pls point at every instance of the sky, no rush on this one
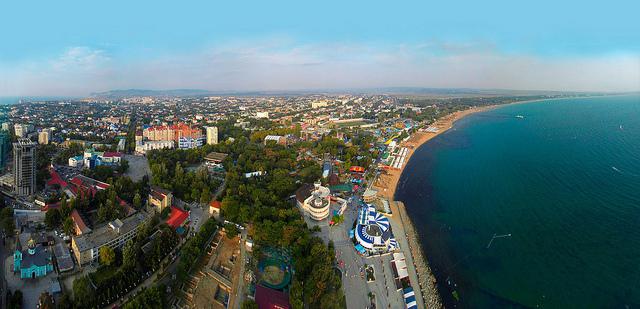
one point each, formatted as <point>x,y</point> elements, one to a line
<point>73,48</point>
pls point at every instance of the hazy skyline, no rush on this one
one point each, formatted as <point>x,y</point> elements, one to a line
<point>75,48</point>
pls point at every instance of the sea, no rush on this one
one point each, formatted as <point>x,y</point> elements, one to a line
<point>533,205</point>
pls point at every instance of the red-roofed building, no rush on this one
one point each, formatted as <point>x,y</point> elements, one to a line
<point>214,208</point>
<point>56,179</point>
<point>177,217</point>
<point>267,298</point>
<point>79,225</point>
<point>82,185</point>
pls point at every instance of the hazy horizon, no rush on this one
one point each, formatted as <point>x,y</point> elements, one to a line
<point>76,48</point>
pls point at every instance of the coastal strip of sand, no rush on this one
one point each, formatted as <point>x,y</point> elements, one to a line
<point>386,185</point>
<point>387,182</point>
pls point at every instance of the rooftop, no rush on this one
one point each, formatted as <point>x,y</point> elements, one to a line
<point>106,233</point>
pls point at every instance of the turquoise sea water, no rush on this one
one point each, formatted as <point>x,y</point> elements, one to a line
<point>564,182</point>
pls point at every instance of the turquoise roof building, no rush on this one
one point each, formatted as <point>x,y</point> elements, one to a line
<point>35,262</point>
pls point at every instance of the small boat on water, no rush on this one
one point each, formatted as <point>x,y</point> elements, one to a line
<point>520,116</point>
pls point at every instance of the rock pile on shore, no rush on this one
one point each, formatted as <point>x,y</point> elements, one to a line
<point>426,279</point>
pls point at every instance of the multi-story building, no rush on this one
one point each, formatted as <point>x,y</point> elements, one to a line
<point>171,133</point>
<point>212,135</point>
<point>190,142</point>
<point>314,200</point>
<point>143,147</point>
<point>24,167</point>
<point>86,247</point>
<point>5,145</point>
<point>44,136</point>
<point>20,130</point>
<point>160,198</point>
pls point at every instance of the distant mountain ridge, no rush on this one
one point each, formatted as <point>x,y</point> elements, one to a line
<point>150,93</point>
<point>122,93</point>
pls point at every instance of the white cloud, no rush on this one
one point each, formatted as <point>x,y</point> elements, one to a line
<point>282,66</point>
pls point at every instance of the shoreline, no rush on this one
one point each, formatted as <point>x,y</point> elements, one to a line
<point>387,182</point>
<point>386,185</point>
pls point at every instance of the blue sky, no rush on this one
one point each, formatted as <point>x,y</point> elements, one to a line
<point>76,47</point>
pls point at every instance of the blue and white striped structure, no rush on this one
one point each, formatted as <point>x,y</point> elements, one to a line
<point>393,244</point>
<point>373,231</point>
<point>410,298</point>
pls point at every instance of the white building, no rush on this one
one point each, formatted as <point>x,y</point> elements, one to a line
<point>262,115</point>
<point>6,126</point>
<point>77,161</point>
<point>314,200</point>
<point>318,104</point>
<point>212,135</point>
<point>21,130</point>
<point>143,147</point>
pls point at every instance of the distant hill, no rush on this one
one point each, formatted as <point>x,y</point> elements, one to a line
<point>121,93</point>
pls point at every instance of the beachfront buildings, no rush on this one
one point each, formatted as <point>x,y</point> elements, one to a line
<point>86,247</point>
<point>373,233</point>
<point>24,167</point>
<point>317,203</point>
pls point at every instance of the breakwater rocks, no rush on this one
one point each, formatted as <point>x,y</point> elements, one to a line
<point>426,280</point>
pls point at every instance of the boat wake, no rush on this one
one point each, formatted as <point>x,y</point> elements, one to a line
<point>624,173</point>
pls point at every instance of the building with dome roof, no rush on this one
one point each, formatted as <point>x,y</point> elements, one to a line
<point>33,262</point>
<point>314,200</point>
<point>373,233</point>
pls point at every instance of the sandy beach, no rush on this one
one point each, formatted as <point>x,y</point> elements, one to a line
<point>386,185</point>
<point>388,181</point>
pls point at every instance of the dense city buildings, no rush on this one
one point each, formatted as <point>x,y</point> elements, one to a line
<point>24,164</point>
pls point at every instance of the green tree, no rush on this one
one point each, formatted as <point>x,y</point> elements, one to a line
<point>68,226</point>
<point>137,201</point>
<point>83,292</point>
<point>249,304</point>
<point>130,254</point>
<point>107,256</point>
<point>6,220</point>
<point>52,218</point>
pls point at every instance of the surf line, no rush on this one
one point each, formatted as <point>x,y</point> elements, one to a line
<point>497,236</point>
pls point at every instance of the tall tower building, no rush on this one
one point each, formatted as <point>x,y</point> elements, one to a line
<point>24,167</point>
<point>5,145</point>
<point>43,137</point>
<point>212,135</point>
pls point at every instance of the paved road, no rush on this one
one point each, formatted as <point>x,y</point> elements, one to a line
<point>355,286</point>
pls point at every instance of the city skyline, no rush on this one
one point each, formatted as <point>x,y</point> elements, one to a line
<point>73,49</point>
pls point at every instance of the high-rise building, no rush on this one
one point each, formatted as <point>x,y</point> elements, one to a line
<point>5,145</point>
<point>212,135</point>
<point>24,167</point>
<point>21,130</point>
<point>43,137</point>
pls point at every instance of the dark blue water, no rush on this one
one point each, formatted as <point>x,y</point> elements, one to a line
<point>564,182</point>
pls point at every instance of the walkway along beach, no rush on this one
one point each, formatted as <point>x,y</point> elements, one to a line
<point>386,185</point>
